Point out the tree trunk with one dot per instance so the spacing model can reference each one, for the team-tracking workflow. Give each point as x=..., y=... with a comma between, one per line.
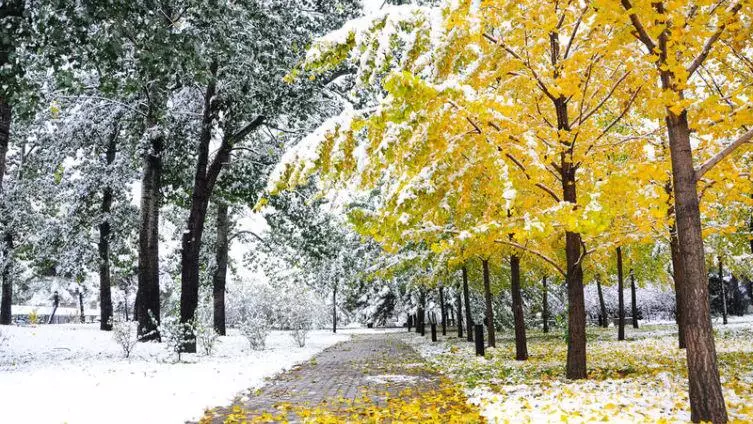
x=148, y=296
x=679, y=278
x=191, y=243
x=467, y=297
x=620, y=297
x=459, y=314
x=633, y=302
x=576, y=304
x=82, y=317
x=521, y=349
x=545, y=306
x=334, y=309
x=6, y=317
x=443, y=311
x=421, y=312
x=7, y=285
x=724, y=291
x=706, y=398
x=489, y=311
x=750, y=282
x=220, y=274
x=603, y=318
x=103, y=247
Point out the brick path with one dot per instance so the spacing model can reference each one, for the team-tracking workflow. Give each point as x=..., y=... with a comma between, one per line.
x=367, y=365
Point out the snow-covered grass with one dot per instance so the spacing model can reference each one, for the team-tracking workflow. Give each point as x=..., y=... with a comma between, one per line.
x=76, y=374
x=643, y=379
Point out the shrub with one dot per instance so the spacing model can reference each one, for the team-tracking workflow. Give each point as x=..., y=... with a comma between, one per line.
x=3, y=339
x=300, y=320
x=255, y=328
x=33, y=317
x=176, y=334
x=206, y=336
x=125, y=335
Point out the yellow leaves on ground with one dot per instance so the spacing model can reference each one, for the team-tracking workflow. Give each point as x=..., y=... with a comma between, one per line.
x=443, y=404
x=641, y=380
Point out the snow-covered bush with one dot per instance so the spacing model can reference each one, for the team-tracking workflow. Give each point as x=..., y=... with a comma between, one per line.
x=255, y=328
x=299, y=317
x=176, y=334
x=206, y=336
x=125, y=336
x=3, y=339
x=255, y=300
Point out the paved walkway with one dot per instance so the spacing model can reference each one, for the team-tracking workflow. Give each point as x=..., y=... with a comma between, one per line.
x=368, y=369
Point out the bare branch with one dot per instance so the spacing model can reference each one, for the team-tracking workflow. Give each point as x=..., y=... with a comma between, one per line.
x=533, y=252
x=640, y=30
x=745, y=138
x=710, y=42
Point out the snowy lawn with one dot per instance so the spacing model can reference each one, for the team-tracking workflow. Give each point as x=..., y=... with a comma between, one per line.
x=643, y=379
x=76, y=374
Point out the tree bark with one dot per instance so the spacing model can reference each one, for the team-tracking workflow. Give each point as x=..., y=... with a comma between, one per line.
x=459, y=314
x=82, y=317
x=220, y=274
x=334, y=308
x=706, y=398
x=620, y=297
x=148, y=296
x=489, y=310
x=467, y=297
x=103, y=247
x=442, y=311
x=633, y=302
x=750, y=282
x=576, y=316
x=545, y=306
x=191, y=242
x=723, y=290
x=7, y=285
x=603, y=317
x=521, y=349
x=679, y=278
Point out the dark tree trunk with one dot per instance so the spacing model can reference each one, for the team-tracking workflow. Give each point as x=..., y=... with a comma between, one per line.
x=148, y=296
x=620, y=297
x=7, y=286
x=750, y=282
x=633, y=302
x=103, y=247
x=723, y=290
x=422, y=311
x=459, y=314
x=576, y=304
x=7, y=300
x=706, y=398
x=603, y=317
x=521, y=349
x=467, y=298
x=442, y=311
x=205, y=178
x=678, y=276
x=191, y=243
x=220, y=274
x=334, y=309
x=82, y=317
x=545, y=306
x=489, y=310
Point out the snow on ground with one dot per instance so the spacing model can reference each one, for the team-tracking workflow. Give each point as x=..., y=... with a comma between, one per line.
x=76, y=374
x=643, y=379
